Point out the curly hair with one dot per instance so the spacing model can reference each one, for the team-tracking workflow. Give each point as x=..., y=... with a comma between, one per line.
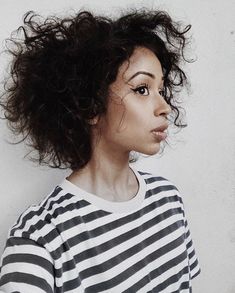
x=61, y=72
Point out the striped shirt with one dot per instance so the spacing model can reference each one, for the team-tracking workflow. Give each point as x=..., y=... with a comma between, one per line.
x=74, y=241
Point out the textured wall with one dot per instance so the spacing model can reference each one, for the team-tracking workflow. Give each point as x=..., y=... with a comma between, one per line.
x=201, y=159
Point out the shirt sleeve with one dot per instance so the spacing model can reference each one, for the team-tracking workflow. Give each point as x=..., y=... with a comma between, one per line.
x=194, y=266
x=193, y=260
x=26, y=267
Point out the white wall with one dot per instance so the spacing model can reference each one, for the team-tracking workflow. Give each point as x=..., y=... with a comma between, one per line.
x=201, y=163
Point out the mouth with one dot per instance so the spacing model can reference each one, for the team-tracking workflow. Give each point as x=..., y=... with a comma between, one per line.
x=159, y=133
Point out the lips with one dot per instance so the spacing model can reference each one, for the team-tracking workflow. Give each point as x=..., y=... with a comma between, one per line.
x=161, y=128
x=159, y=132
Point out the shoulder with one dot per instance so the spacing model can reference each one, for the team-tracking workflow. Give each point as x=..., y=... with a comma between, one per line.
x=154, y=180
x=37, y=220
x=161, y=187
x=151, y=177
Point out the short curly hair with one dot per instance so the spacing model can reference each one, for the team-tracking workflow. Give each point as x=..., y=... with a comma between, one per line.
x=61, y=72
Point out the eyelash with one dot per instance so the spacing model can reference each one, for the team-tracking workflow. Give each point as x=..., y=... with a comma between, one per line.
x=145, y=85
x=162, y=93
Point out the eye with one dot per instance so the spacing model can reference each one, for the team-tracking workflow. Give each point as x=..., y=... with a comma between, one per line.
x=142, y=90
x=162, y=93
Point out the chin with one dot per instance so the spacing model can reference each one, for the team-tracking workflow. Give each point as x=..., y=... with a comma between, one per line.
x=150, y=151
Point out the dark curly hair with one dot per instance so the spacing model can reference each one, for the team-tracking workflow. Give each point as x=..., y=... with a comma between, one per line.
x=62, y=69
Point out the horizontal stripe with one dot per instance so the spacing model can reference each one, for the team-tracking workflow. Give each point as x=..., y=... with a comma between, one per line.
x=13, y=241
x=30, y=279
x=29, y=258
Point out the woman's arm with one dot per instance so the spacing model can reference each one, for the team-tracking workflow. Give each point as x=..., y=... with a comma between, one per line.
x=26, y=267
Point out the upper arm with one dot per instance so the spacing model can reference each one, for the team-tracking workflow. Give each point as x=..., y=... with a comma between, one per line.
x=192, y=257
x=26, y=267
x=194, y=267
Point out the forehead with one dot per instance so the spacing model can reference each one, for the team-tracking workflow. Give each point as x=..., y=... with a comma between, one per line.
x=142, y=59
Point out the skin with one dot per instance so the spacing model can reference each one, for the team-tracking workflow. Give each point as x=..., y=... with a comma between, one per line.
x=127, y=126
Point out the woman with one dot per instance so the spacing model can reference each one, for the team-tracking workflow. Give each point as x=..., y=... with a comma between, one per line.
x=88, y=90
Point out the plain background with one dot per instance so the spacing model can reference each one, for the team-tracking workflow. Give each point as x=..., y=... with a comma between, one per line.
x=200, y=160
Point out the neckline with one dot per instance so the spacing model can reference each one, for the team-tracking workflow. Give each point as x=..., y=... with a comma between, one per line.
x=103, y=204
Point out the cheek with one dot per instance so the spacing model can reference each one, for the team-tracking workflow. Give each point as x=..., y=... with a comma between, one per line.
x=127, y=118
x=138, y=117
x=114, y=119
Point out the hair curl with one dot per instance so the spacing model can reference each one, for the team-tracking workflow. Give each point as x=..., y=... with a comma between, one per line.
x=62, y=69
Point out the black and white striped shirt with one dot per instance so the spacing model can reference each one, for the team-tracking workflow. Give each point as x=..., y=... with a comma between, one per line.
x=74, y=241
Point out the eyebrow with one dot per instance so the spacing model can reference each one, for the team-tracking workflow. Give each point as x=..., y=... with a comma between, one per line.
x=142, y=72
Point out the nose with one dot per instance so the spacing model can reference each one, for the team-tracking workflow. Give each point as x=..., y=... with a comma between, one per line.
x=161, y=107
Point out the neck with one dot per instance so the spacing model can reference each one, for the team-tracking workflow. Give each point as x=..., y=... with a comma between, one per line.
x=107, y=175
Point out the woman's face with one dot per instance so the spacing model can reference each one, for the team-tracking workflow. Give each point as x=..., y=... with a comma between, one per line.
x=136, y=106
